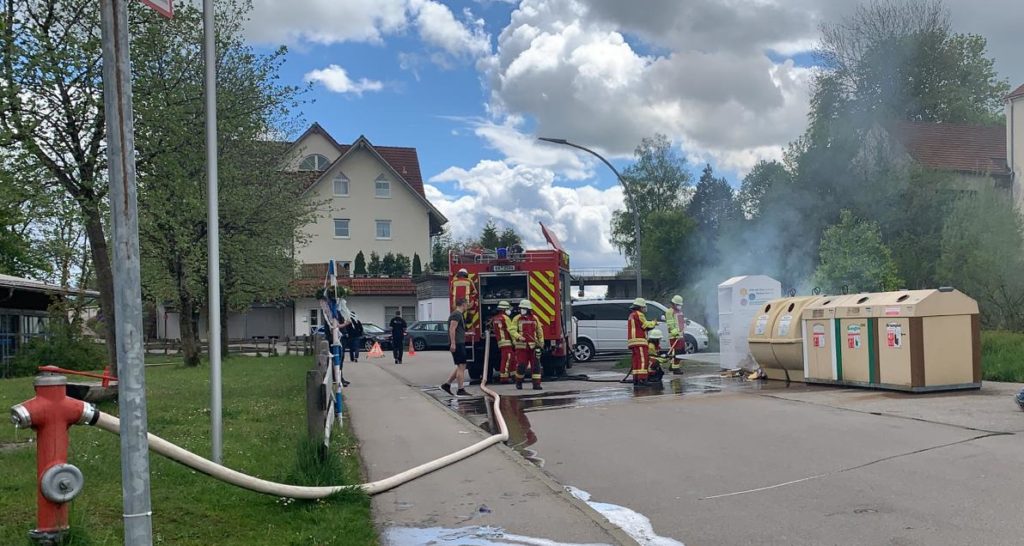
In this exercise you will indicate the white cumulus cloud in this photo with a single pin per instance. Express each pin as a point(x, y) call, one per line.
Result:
point(438, 27)
point(337, 80)
point(325, 21)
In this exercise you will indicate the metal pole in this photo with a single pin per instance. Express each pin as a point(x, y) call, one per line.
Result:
point(131, 392)
point(213, 230)
point(637, 262)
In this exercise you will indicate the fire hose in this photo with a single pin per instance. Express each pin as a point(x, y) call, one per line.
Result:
point(178, 454)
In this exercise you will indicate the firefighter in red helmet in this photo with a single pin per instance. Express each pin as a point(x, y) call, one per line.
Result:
point(636, 339)
point(528, 336)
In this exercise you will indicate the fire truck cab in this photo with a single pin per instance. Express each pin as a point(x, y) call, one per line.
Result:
point(512, 275)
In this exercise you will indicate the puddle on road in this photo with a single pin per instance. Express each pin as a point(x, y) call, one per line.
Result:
point(634, 524)
point(465, 536)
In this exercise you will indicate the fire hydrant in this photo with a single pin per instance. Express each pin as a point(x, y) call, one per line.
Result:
point(51, 413)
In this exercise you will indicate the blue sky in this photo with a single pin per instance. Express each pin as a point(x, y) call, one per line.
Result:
point(471, 83)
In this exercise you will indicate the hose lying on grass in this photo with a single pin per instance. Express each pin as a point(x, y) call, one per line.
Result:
point(178, 454)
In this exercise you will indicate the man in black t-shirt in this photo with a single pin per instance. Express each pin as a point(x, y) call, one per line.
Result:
point(398, 327)
point(457, 346)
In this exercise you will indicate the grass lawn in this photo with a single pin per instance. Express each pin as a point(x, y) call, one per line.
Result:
point(1002, 356)
point(264, 427)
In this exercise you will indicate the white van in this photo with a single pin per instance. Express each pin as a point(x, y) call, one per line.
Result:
point(601, 327)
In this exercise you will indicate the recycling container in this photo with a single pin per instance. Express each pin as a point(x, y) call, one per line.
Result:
point(928, 340)
point(739, 299)
point(787, 340)
point(820, 332)
point(759, 336)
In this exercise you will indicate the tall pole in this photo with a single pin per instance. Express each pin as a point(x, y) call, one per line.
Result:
point(131, 392)
point(213, 230)
point(637, 262)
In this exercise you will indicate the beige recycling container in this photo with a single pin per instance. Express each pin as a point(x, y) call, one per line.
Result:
point(928, 340)
point(858, 348)
point(820, 331)
point(787, 340)
point(759, 336)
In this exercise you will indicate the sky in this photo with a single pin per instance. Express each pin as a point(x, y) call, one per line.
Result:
point(472, 83)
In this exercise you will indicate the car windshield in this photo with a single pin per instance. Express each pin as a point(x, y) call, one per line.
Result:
point(371, 328)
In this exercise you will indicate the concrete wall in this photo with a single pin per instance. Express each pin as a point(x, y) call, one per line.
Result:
point(410, 229)
point(259, 321)
point(432, 309)
point(369, 309)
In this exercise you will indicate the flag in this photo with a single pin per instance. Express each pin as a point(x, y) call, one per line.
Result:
point(332, 274)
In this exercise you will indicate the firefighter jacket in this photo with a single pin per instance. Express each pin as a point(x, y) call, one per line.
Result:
point(462, 288)
point(636, 329)
point(527, 332)
point(501, 325)
point(676, 322)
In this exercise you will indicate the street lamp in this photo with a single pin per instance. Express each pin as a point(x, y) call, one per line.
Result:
point(630, 200)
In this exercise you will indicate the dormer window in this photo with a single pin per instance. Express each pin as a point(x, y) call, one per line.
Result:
point(314, 162)
point(382, 187)
point(341, 185)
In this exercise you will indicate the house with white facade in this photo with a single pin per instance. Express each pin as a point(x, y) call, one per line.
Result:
point(370, 199)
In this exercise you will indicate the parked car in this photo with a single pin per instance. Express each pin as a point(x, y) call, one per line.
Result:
point(601, 327)
point(373, 333)
point(428, 334)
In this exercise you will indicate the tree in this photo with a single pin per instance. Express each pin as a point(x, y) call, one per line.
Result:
point(713, 203)
point(360, 267)
point(509, 238)
point(374, 269)
point(664, 250)
point(417, 266)
point(657, 180)
point(759, 183)
point(439, 248)
point(982, 254)
point(51, 113)
point(388, 266)
point(854, 259)
point(489, 236)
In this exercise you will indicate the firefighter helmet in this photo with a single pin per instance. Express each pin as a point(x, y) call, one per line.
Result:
point(654, 334)
point(639, 303)
point(525, 304)
point(503, 305)
point(677, 299)
point(462, 272)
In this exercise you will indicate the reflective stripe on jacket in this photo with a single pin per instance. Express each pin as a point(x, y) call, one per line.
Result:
point(636, 329)
point(676, 322)
point(526, 332)
point(501, 326)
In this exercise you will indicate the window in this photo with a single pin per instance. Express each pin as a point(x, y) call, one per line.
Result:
point(313, 162)
point(408, 313)
point(313, 315)
point(341, 228)
point(341, 185)
point(382, 187)
point(383, 229)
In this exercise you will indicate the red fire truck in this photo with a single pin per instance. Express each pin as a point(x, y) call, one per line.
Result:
point(512, 275)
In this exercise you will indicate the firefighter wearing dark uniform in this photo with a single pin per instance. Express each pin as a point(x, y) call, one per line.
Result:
point(462, 287)
point(676, 323)
point(501, 326)
point(636, 339)
point(528, 339)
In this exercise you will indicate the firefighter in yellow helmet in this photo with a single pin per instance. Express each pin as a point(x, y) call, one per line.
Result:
point(636, 339)
point(528, 340)
point(676, 323)
point(501, 327)
point(657, 356)
point(463, 288)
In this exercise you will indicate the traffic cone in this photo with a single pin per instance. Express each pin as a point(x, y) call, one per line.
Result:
point(412, 348)
point(376, 351)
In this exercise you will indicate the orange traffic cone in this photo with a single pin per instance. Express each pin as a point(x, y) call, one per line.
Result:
point(376, 351)
point(412, 348)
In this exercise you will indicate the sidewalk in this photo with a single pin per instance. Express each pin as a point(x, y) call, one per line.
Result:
point(399, 427)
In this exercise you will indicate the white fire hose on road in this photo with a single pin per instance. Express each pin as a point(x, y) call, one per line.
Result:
point(178, 454)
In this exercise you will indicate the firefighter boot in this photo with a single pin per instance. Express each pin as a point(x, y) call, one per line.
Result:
point(519, 383)
point(536, 386)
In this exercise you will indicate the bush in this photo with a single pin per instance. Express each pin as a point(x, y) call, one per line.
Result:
point(1002, 356)
point(59, 348)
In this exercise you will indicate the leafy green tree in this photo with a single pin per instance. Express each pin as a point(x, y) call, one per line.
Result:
point(360, 267)
point(854, 259)
point(983, 255)
point(759, 183)
point(439, 248)
point(417, 265)
point(509, 238)
point(402, 265)
point(489, 236)
point(657, 180)
point(664, 250)
point(374, 268)
point(388, 265)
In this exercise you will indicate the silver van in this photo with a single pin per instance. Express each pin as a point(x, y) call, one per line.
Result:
point(601, 327)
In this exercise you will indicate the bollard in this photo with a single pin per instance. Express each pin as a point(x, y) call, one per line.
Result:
point(51, 413)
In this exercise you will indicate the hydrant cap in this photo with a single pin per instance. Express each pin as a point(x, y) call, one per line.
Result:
point(49, 380)
point(20, 416)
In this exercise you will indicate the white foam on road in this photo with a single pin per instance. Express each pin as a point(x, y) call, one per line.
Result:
point(476, 535)
point(631, 522)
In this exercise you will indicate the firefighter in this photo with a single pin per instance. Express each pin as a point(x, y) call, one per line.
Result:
point(528, 336)
point(676, 323)
point(636, 339)
point(656, 356)
point(501, 326)
point(462, 287)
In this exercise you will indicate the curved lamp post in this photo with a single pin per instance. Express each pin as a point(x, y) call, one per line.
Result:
point(629, 198)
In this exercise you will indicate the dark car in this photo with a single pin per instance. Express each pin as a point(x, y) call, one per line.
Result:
point(373, 333)
point(428, 334)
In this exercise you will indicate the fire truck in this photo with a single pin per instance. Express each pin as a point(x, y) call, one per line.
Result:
point(512, 275)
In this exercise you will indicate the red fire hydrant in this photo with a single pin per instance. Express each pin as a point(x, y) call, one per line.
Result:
point(51, 413)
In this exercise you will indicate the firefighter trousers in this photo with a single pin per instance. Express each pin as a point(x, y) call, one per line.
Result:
point(639, 353)
point(507, 366)
point(678, 346)
point(527, 359)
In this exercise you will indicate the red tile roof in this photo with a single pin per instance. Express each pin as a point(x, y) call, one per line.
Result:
point(311, 277)
point(1019, 92)
point(955, 147)
point(404, 161)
